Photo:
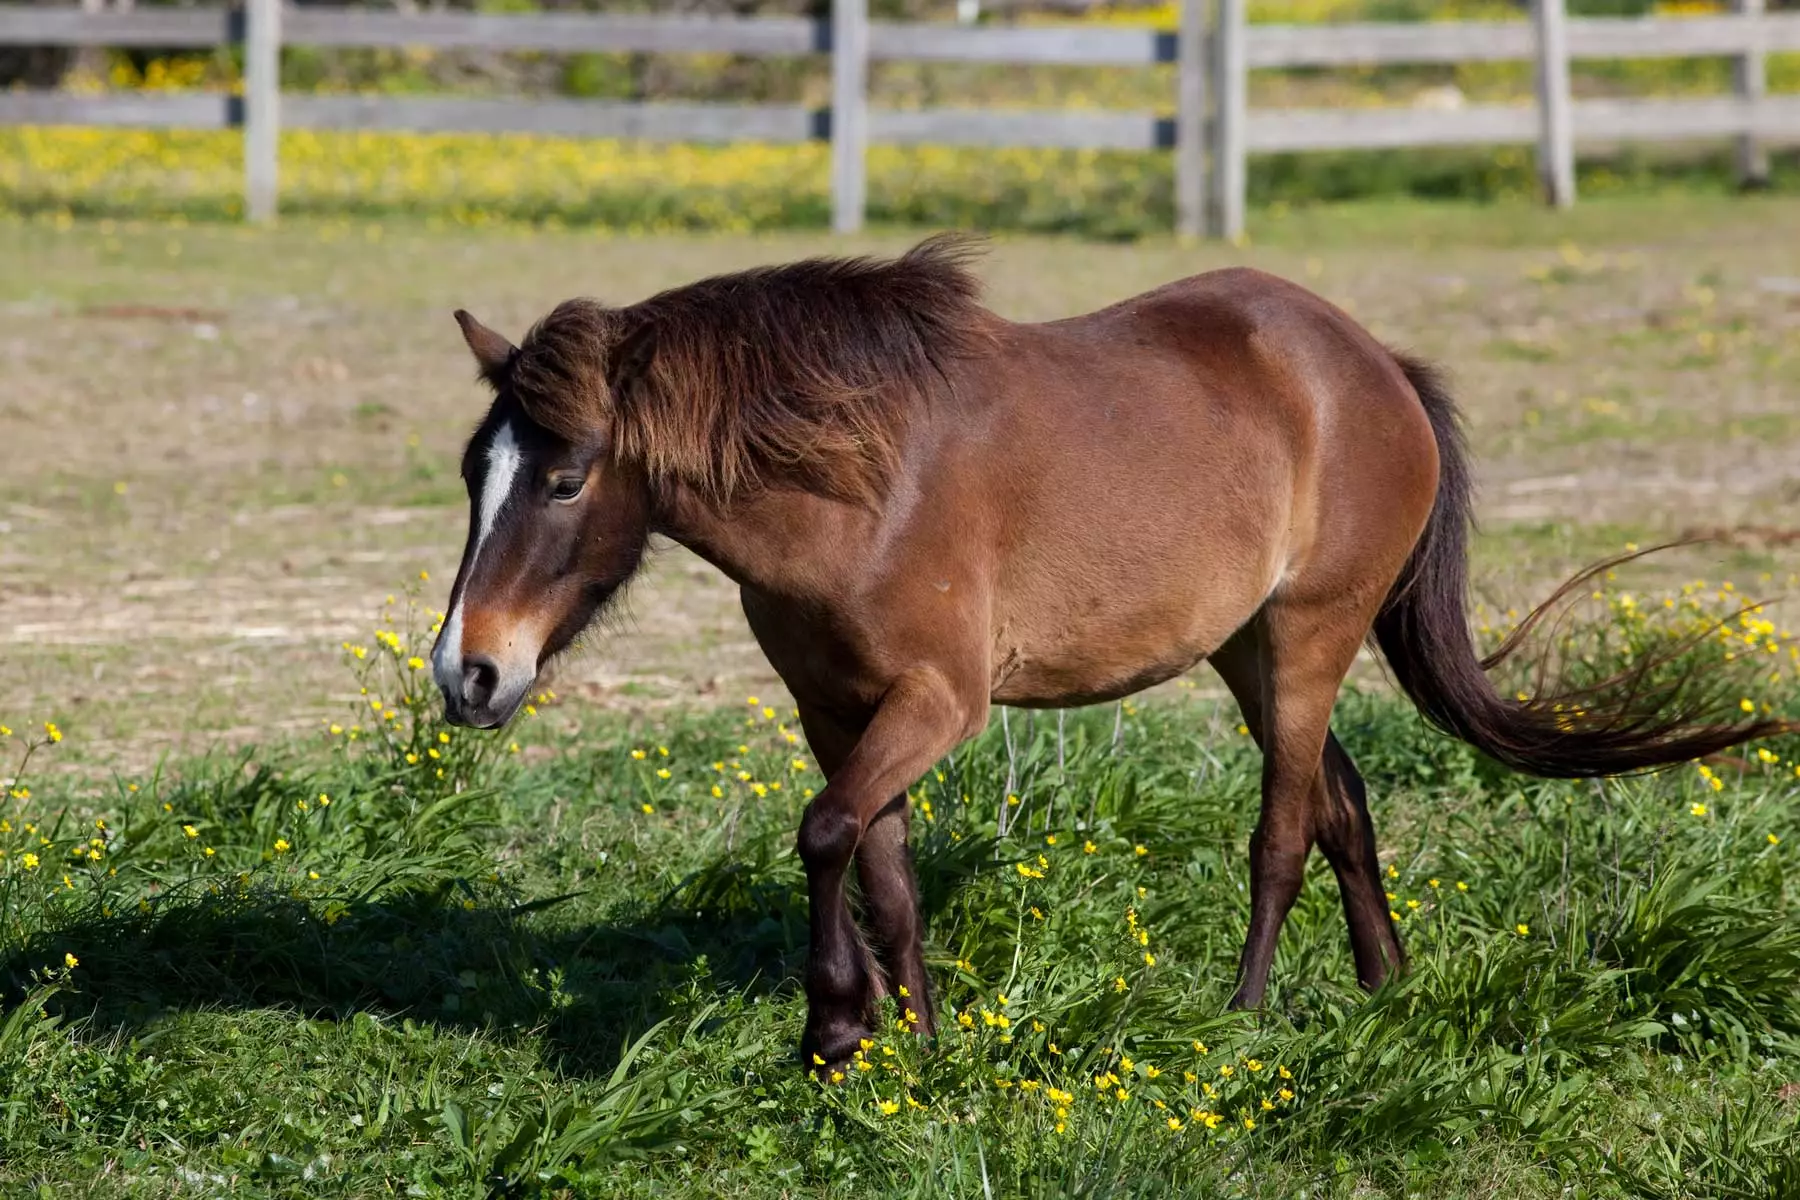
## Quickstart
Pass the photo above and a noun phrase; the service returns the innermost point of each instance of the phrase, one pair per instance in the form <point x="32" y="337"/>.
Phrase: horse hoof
<point x="828" y="1048"/>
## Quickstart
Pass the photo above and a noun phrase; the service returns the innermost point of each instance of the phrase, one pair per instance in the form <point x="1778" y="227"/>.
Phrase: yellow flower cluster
<point x="476" y="180"/>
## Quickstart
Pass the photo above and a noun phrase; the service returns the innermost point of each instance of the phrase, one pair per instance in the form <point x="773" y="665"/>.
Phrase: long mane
<point x="804" y="373"/>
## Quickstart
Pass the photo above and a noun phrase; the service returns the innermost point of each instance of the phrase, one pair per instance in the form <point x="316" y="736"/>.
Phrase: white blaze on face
<point x="503" y="462"/>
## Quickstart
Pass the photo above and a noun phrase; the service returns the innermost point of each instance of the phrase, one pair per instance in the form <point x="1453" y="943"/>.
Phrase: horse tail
<point x="1654" y="713"/>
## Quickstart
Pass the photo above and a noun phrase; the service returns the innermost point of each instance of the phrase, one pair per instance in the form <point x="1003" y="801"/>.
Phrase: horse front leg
<point x="922" y="717"/>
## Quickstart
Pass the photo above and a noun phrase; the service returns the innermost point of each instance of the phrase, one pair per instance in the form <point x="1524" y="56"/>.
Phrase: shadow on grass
<point x="453" y="955"/>
<point x="586" y="990"/>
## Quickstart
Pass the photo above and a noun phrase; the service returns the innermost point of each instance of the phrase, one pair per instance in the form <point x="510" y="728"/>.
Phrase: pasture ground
<point x="224" y="448"/>
<point x="223" y="445"/>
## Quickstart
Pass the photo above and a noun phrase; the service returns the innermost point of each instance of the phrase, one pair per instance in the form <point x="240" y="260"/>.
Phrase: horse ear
<point x="493" y="353"/>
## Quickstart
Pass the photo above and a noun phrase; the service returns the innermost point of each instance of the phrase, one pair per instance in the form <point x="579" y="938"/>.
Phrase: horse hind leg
<point x="1346" y="833"/>
<point x="1285" y="669"/>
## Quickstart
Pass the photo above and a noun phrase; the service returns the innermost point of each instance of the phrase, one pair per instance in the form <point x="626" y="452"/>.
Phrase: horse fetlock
<point x="840" y="1012"/>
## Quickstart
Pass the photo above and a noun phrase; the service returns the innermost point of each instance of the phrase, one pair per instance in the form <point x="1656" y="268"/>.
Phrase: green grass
<point x="419" y="962"/>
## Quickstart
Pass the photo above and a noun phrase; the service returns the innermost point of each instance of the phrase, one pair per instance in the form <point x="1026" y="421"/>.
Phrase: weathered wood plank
<point x="1231" y="113"/>
<point x="1374" y="44"/>
<point x="1296" y="129"/>
<point x="1267" y="45"/>
<point x="1190" y="122"/>
<point x="849" y="114"/>
<point x="1681" y="37"/>
<point x="1772" y="118"/>
<point x="30" y="25"/>
<point x="913" y="41"/>
<point x="569" y="32"/>
<point x="262" y="109"/>
<point x="1750" y="81"/>
<point x="559" y="118"/>
<point x="165" y="110"/>
<point x="1076" y="129"/>
<point x="1775" y="118"/>
<point x="1556" y="130"/>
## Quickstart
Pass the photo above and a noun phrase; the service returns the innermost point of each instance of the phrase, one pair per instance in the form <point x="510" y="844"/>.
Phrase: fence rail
<point x="1211" y="132"/>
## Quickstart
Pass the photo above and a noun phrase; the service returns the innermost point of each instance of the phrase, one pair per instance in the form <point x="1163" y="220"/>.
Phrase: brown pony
<point x="930" y="509"/>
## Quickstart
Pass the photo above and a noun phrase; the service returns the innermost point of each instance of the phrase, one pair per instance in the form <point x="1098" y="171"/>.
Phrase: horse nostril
<point x="480" y="678"/>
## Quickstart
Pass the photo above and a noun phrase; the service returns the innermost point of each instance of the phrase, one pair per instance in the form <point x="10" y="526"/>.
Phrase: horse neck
<point x="775" y="541"/>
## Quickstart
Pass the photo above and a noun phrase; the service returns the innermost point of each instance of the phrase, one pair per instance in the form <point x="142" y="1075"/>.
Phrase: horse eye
<point x="568" y="487"/>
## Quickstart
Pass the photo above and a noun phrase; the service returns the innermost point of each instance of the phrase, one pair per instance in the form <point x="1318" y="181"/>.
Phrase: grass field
<point x="561" y="970"/>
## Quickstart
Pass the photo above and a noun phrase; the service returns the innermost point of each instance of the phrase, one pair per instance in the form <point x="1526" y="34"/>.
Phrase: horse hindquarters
<point x="1367" y="488"/>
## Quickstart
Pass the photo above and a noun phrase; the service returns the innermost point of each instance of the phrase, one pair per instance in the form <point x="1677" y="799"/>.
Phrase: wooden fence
<point x="1211" y="132"/>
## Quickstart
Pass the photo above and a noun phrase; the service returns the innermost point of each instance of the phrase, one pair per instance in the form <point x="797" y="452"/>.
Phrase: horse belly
<point x="1117" y="649"/>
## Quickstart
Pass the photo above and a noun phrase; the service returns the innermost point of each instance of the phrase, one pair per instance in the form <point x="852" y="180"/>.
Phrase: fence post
<point x="849" y="113"/>
<point x="1556" y="126"/>
<point x="1231" y="81"/>
<point x="1190" y="120"/>
<point x="262" y="106"/>
<point x="1751" y="82"/>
